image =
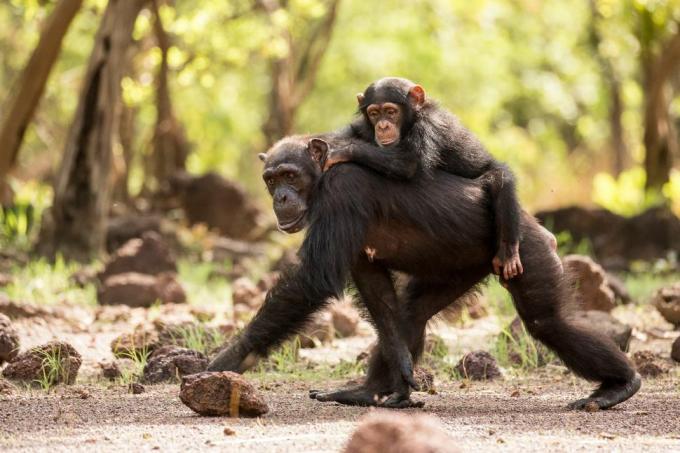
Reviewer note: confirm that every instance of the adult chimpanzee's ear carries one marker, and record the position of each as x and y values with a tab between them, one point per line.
317	149
416	96
262	156
360	98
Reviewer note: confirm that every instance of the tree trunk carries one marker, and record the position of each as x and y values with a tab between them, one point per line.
660	138
76	223
293	75
170	145
31	83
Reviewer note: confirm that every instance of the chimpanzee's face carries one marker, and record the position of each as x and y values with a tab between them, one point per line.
386	119
291	168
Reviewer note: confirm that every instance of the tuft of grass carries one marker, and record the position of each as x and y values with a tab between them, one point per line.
42	282
139	358
199	338
521	352
54	370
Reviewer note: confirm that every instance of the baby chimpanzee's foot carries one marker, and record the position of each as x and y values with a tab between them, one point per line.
508	260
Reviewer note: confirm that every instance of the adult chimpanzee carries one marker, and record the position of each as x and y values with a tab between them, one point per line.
414	134
439	231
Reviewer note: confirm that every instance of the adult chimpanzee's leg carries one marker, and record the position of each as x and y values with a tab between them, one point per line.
376	288
424	300
541	297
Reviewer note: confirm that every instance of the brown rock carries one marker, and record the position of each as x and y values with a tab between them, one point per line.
245	292
424	378
667	301
649	365
221	393
34	364
6	388
136	388
110	370
383	431
140	341
9	340
148	255
675	350
170	363
590	283
345	318
606	324
121	229
5	280
478	366
16	310
319	330
140	290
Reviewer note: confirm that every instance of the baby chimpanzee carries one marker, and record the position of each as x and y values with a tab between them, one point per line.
414	134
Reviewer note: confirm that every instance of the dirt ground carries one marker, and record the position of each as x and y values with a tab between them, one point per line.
511	415
526	413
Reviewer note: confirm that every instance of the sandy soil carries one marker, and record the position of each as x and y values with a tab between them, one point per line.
515	415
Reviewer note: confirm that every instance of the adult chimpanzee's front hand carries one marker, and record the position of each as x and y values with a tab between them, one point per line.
338	156
235	357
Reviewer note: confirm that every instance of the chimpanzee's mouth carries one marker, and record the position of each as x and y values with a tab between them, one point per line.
293	226
387	141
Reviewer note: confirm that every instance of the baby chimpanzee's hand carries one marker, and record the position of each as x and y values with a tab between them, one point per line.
507	258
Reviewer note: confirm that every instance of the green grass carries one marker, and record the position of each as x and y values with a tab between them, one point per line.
642	285
199	338
53	369
42	282
139	358
201	289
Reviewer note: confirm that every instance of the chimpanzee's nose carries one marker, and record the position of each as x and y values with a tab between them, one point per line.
281	198
382	125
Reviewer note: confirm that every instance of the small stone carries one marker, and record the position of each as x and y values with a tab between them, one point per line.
34	364
140	290
148	255
345	318
221	393
170	363
424	378
667	301
649	365
592	407
110	370
6	388
136	388
675	350
9	340
382	431
478	366
590	283
229	432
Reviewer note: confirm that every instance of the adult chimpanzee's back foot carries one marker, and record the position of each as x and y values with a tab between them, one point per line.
542	298
363	395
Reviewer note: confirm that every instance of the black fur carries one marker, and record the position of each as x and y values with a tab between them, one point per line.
438	231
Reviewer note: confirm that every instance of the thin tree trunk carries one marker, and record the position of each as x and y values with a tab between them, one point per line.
170	145
76	223
31	83
660	139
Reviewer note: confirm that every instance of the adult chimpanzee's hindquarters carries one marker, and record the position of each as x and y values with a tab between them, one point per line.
439	231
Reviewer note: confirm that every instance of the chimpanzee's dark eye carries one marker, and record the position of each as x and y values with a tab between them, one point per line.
270	182
290	176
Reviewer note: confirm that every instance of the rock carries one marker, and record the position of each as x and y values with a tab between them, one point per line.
5	280
606	324
170	363
221	204
140	290
318	331
521	347
141	341
383	431
34	364
648	364
6	388
9	340
667	301
148	255
675	350
345	318
110	370
16	310
590	283
478	366
136	388
424	378
123	228
221	393
245	292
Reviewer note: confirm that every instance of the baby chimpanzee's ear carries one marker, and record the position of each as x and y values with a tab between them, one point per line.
317	149
416	96
262	156
360	99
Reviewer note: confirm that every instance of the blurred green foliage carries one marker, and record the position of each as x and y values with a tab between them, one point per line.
524	75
